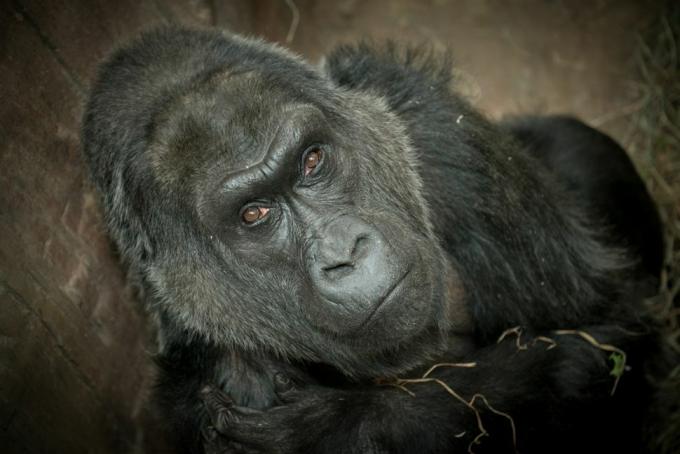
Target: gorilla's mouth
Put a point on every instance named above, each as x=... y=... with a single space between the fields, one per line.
x=390 y=296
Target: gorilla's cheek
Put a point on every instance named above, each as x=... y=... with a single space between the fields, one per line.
x=415 y=302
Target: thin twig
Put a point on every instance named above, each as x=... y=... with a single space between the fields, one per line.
x=500 y=413
x=478 y=416
x=517 y=331
x=551 y=342
x=437 y=366
x=402 y=382
x=294 y=21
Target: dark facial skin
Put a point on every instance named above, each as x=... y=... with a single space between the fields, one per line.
x=306 y=220
x=301 y=202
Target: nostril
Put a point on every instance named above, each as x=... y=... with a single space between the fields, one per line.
x=360 y=247
x=336 y=272
x=338 y=262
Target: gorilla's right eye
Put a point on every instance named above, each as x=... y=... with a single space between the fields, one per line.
x=253 y=213
x=311 y=160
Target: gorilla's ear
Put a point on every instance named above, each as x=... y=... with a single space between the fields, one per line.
x=125 y=220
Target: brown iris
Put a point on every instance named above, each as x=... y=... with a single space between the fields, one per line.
x=312 y=160
x=254 y=213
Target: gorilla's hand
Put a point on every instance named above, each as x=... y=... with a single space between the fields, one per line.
x=325 y=413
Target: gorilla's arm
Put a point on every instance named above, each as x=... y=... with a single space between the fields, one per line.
x=184 y=369
x=560 y=385
x=187 y=366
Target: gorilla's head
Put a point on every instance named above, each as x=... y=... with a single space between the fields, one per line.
x=266 y=208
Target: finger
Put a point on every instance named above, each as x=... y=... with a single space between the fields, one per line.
x=289 y=397
x=282 y=383
x=243 y=412
x=245 y=425
x=286 y=390
x=240 y=424
x=216 y=396
x=209 y=434
x=218 y=405
x=214 y=443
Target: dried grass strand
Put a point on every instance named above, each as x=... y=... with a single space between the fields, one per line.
x=402 y=382
x=605 y=347
x=294 y=22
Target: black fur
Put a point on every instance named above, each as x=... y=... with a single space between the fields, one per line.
x=540 y=223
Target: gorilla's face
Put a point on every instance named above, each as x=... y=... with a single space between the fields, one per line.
x=312 y=210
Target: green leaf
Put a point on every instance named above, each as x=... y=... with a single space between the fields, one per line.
x=619 y=364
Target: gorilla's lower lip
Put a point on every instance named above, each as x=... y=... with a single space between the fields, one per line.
x=386 y=298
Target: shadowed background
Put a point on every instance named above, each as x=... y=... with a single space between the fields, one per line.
x=75 y=367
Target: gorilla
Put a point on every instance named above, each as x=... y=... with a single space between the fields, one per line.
x=348 y=258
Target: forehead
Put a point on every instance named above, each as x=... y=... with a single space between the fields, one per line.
x=229 y=119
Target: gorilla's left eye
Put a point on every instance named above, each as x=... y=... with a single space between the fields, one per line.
x=253 y=213
x=311 y=160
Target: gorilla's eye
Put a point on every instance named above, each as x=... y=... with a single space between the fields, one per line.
x=311 y=159
x=254 y=213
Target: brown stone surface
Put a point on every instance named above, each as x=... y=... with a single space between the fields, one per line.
x=74 y=366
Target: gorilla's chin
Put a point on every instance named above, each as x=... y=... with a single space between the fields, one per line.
x=423 y=310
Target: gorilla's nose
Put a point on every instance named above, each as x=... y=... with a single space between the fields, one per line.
x=338 y=259
x=351 y=264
